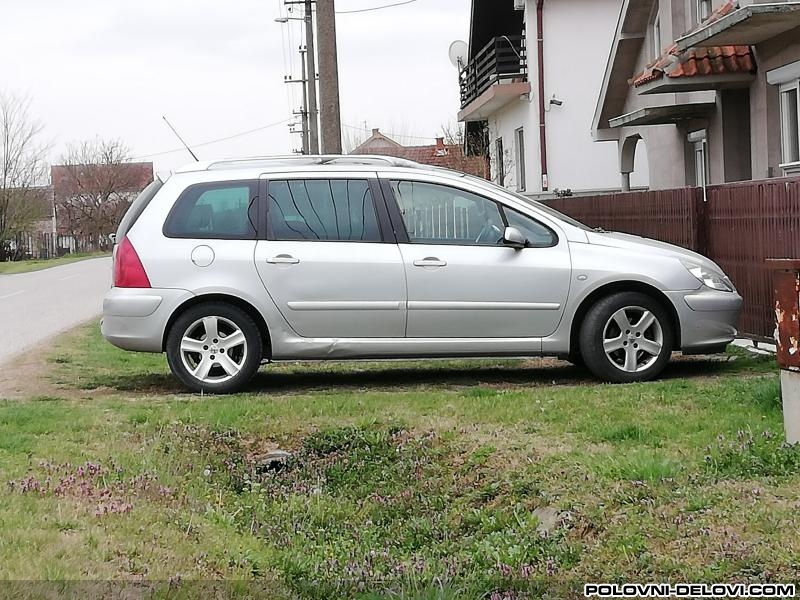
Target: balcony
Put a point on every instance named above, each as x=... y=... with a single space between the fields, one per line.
x=494 y=77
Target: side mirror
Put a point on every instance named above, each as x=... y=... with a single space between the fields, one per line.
x=513 y=238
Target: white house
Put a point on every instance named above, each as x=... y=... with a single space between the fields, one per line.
x=529 y=93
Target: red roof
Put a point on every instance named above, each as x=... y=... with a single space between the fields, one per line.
x=448 y=156
x=694 y=62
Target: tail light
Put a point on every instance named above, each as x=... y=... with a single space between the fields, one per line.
x=128 y=269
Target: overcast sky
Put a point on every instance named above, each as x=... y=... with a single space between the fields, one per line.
x=216 y=68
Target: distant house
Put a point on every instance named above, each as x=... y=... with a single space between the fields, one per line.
x=449 y=156
x=709 y=89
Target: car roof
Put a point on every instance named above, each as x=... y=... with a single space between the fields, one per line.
x=280 y=163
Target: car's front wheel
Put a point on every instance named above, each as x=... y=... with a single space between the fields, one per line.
x=626 y=337
x=214 y=347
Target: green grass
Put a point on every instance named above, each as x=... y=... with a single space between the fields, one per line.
x=445 y=479
x=26 y=266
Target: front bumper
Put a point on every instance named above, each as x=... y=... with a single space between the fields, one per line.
x=708 y=318
x=136 y=319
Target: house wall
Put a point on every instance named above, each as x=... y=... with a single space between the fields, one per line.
x=578 y=38
x=504 y=124
x=765 y=106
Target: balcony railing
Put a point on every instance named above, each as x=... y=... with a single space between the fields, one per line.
x=502 y=59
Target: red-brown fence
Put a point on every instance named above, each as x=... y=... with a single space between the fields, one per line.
x=739 y=227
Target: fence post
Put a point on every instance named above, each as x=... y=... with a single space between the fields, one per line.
x=701 y=222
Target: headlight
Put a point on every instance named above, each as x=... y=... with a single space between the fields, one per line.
x=709 y=277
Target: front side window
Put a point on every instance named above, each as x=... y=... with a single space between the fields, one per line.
x=790 y=122
x=214 y=211
x=338 y=210
x=437 y=214
x=538 y=235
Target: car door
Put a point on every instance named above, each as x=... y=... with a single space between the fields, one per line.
x=330 y=261
x=462 y=281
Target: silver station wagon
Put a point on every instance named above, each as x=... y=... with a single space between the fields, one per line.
x=230 y=264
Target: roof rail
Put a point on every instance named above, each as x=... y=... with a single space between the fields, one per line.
x=310 y=160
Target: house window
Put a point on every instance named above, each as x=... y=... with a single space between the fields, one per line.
x=703 y=8
x=520 y=134
x=656 y=33
x=790 y=122
x=700 y=149
x=500 y=168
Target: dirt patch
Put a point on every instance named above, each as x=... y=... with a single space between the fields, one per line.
x=26 y=376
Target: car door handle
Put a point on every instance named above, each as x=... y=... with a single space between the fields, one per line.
x=430 y=261
x=283 y=259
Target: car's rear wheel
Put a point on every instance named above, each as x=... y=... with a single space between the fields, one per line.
x=627 y=337
x=214 y=347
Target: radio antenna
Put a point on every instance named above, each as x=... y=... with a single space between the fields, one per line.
x=178 y=135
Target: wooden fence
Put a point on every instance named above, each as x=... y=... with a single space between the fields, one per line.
x=738 y=226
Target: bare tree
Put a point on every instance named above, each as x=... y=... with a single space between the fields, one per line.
x=471 y=157
x=94 y=186
x=22 y=168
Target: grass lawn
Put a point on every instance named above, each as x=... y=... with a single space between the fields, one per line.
x=503 y=479
x=26 y=266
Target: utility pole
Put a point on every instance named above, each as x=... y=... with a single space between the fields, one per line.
x=313 y=112
x=330 y=115
x=304 y=110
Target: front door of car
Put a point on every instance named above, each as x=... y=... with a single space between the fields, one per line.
x=330 y=262
x=463 y=282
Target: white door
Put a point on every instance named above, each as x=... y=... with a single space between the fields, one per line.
x=325 y=263
x=462 y=281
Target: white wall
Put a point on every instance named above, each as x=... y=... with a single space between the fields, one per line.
x=578 y=35
x=578 y=38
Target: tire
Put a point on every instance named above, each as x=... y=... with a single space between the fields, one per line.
x=638 y=351
x=576 y=360
x=218 y=367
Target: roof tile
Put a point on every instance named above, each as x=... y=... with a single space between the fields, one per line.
x=694 y=62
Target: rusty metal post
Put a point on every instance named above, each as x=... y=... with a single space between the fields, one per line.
x=786 y=277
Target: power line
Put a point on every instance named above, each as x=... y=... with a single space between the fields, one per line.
x=224 y=139
x=360 y=10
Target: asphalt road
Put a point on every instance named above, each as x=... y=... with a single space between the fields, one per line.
x=36 y=306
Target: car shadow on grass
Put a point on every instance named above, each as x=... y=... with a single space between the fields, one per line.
x=300 y=378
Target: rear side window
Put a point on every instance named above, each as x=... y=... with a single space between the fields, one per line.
x=137 y=208
x=215 y=211
x=339 y=210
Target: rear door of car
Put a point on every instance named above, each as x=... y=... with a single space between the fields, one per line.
x=330 y=261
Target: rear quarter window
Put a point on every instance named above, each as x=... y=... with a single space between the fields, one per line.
x=137 y=208
x=215 y=211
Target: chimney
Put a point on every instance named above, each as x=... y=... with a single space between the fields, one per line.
x=441 y=150
x=376 y=131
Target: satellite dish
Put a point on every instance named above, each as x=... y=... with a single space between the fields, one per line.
x=459 y=54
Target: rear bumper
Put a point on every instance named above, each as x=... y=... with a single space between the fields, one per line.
x=136 y=319
x=708 y=319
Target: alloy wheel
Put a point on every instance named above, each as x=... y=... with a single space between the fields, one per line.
x=633 y=339
x=213 y=349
